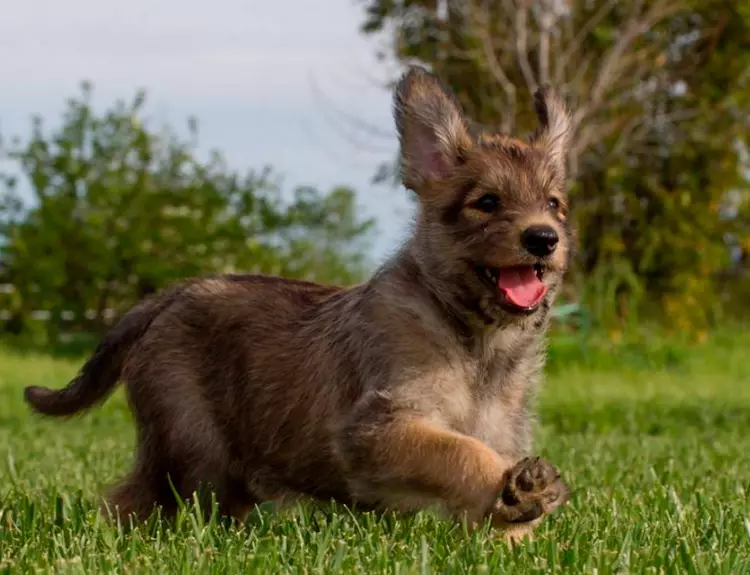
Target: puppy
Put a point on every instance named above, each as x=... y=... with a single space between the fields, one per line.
x=411 y=390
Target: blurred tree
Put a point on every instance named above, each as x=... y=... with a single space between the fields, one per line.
x=660 y=96
x=121 y=210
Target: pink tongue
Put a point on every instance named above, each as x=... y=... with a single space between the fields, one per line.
x=521 y=286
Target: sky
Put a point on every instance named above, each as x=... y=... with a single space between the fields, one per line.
x=271 y=83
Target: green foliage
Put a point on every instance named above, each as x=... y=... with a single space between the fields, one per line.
x=120 y=210
x=652 y=437
x=661 y=93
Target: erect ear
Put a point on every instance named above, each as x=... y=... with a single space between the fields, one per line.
x=553 y=133
x=432 y=131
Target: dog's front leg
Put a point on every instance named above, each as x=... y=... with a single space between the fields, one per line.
x=409 y=459
x=401 y=458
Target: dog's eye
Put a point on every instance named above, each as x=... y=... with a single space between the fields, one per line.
x=488 y=203
x=553 y=204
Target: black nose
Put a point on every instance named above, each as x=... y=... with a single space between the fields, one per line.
x=540 y=241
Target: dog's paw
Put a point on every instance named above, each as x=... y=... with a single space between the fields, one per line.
x=531 y=488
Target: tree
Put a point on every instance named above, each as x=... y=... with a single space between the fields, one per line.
x=659 y=92
x=121 y=210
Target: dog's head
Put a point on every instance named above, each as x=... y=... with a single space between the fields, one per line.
x=492 y=222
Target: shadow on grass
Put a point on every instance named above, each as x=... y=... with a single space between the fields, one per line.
x=74 y=347
x=646 y=418
x=598 y=353
x=564 y=350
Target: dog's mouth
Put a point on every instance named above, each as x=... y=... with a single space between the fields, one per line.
x=521 y=288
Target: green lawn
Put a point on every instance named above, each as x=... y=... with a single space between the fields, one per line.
x=654 y=440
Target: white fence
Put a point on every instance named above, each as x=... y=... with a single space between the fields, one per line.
x=46 y=315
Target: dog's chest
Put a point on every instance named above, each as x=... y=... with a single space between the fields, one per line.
x=497 y=391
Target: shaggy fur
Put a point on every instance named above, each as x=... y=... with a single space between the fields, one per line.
x=410 y=390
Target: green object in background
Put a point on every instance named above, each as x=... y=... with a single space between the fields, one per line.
x=565 y=310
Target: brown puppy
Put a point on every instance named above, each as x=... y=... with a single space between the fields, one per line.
x=410 y=390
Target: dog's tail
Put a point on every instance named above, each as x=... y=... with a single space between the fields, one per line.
x=101 y=373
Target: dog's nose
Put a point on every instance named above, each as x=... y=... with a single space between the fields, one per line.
x=540 y=241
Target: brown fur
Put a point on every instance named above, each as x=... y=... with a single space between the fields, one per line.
x=410 y=390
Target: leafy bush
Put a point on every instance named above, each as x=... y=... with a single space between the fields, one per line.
x=120 y=210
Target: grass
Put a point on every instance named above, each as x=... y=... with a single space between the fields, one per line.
x=655 y=440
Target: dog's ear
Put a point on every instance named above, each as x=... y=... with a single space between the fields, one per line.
x=432 y=130
x=553 y=133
